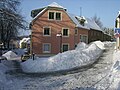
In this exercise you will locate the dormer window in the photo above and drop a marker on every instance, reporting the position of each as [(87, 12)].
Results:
[(58, 16), (51, 15), (55, 15)]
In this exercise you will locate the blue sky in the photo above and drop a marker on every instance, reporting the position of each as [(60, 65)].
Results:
[(107, 10)]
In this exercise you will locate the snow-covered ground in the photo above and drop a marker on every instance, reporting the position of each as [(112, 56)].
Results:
[(115, 71), (103, 75), (81, 56)]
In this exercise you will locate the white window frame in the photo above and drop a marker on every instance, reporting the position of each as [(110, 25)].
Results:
[(60, 14), (49, 47), (49, 30), (68, 32), (82, 36), (65, 44), (48, 15), (55, 15)]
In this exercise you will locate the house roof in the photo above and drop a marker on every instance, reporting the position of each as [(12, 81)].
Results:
[(92, 25), (41, 10), (73, 17), (54, 4), (118, 14), (36, 11), (89, 24)]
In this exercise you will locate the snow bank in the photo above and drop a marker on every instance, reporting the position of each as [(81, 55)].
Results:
[(109, 44), (116, 59), (115, 71), (82, 55), (99, 44), (81, 46), (3, 69), (9, 55)]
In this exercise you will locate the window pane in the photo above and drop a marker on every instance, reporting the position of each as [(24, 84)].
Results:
[(46, 31), (83, 38), (65, 48), (58, 16), (46, 47), (76, 31), (51, 15), (65, 32)]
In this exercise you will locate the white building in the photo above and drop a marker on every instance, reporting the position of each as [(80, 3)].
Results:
[(117, 30)]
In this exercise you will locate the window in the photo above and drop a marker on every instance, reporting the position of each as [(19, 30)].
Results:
[(65, 47), (51, 15), (47, 48), (83, 38), (58, 16), (65, 32), (46, 31), (80, 37), (76, 31)]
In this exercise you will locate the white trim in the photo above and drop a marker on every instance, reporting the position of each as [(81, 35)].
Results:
[(49, 31), (60, 15), (68, 32), (48, 14), (83, 35), (49, 47), (55, 15)]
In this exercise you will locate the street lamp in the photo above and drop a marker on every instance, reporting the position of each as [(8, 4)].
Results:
[(60, 35)]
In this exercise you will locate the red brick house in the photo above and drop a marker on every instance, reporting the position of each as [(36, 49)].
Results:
[(50, 21), (55, 30)]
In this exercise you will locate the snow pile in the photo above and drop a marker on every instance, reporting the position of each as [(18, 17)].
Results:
[(109, 44), (81, 46), (115, 71), (99, 44), (9, 55), (116, 59), (82, 55)]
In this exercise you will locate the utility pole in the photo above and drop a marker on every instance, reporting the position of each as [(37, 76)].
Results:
[(80, 11)]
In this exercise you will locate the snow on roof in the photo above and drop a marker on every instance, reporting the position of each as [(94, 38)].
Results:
[(84, 55), (88, 23), (54, 4), (118, 14), (25, 40), (91, 24), (39, 13), (73, 17)]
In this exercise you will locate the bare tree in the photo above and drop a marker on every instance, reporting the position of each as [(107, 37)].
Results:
[(10, 20), (97, 21)]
